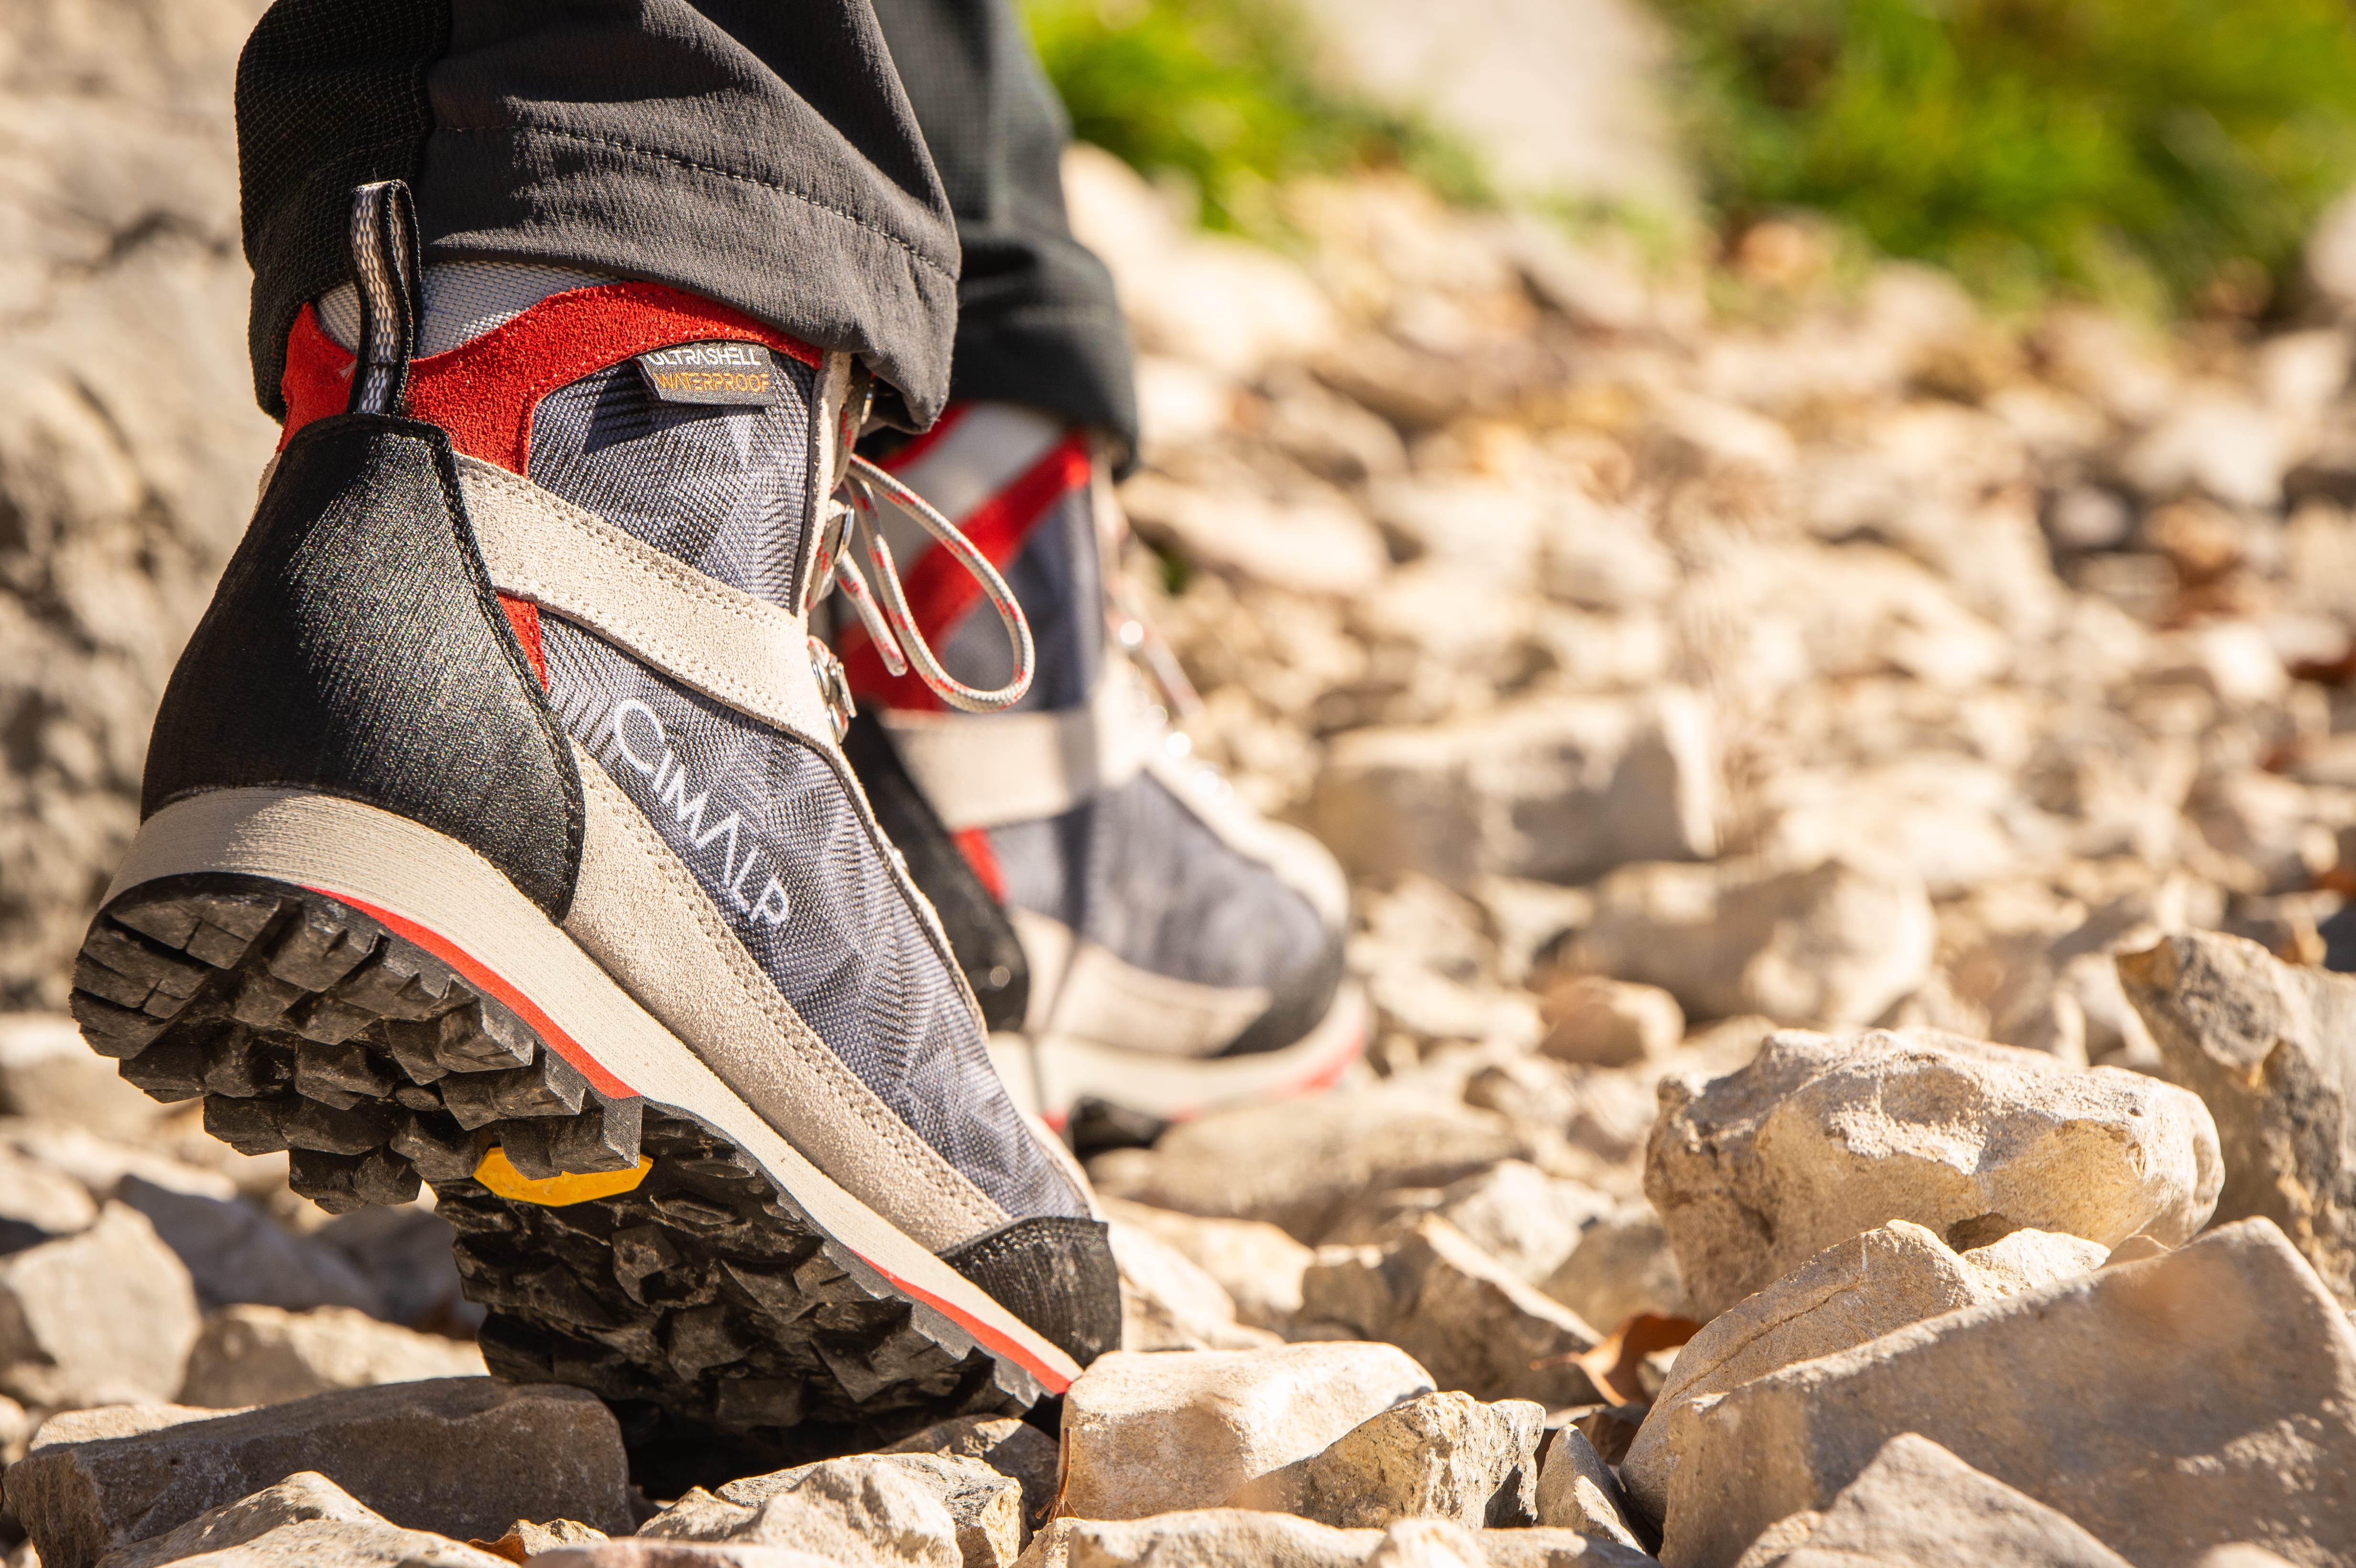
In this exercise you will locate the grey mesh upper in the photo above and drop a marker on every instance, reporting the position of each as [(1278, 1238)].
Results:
[(765, 820)]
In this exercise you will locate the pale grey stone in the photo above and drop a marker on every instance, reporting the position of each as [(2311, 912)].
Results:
[(1823, 1137), (104, 1316), (2271, 1049), (1436, 1296), (1154, 1434), (1577, 1490), (1623, 1264), (1256, 1263), (1169, 1304), (870, 1511), (1442, 1455), (2233, 1336), (1559, 789), (634, 1552), (1919, 1507), (1007, 1445), (300, 1498), (459, 1457), (236, 1253), (265, 1355), (1853, 1291), (984, 1506), (1830, 944), (39, 1204), (49, 1075), (1297, 1163)]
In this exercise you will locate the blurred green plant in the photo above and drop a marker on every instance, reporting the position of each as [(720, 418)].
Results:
[(2178, 150), (1226, 95)]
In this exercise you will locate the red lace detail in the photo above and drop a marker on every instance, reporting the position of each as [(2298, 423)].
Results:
[(982, 856), (484, 392), (940, 591)]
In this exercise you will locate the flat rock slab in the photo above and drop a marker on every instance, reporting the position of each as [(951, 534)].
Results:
[(103, 1318), (1228, 1538), (2271, 1049), (1853, 1291), (266, 1355), (1012, 1446), (261, 1528), (2166, 1406), (1823, 1137), (636, 1554), (1443, 1456), (1154, 1434), (1918, 1506), (1299, 1163), (459, 1457), (867, 1511), (1478, 1327)]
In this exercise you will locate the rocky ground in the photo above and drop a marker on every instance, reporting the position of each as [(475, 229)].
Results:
[(1848, 799)]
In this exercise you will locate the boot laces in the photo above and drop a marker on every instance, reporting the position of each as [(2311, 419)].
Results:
[(884, 608)]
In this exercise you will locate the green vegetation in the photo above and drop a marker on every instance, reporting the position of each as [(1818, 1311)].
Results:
[(2176, 149), (1223, 94)]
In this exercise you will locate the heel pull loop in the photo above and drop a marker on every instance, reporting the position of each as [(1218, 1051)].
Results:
[(386, 271), (867, 481)]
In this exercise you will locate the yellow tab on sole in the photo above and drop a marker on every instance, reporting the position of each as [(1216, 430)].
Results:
[(556, 1191)]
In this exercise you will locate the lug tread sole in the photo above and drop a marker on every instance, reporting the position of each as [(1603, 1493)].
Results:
[(723, 1327)]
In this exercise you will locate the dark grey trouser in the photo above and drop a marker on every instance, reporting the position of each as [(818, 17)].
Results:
[(763, 153)]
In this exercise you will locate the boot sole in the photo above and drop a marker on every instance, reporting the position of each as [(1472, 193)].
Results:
[(376, 1000)]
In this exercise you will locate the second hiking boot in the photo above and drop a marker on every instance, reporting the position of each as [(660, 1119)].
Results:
[(1147, 946), (497, 833)]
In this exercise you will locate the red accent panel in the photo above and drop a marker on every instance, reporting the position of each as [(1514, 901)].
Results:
[(982, 856), (940, 591), (926, 441), (317, 381), (484, 392), (523, 616), (566, 1045)]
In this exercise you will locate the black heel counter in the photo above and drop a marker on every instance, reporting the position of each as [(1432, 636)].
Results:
[(356, 647)]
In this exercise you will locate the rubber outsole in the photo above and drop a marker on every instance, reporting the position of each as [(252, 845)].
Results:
[(722, 1327)]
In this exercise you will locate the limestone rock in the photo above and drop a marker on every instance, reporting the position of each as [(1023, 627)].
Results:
[(1830, 944), (259, 1528), (403, 1253), (1623, 1264), (527, 1539), (39, 1204), (1012, 1446), (1823, 1137), (634, 1552), (460, 1456), (2256, 1362), (1199, 1538), (117, 1420), (1853, 1291), (1549, 1548), (236, 1253), (1443, 1456), (1435, 1294), (1918, 1504), (1297, 1163), (1577, 1490), (49, 1075), (2271, 1050), (1526, 1219), (1146, 1434), (345, 1543), (265, 1355), (1256, 1263), (104, 1317), (1169, 1304), (1427, 1543), (865, 1494), (1557, 790), (1592, 1021)]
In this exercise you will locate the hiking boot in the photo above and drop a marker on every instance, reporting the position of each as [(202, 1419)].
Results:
[(496, 834), (1145, 946)]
